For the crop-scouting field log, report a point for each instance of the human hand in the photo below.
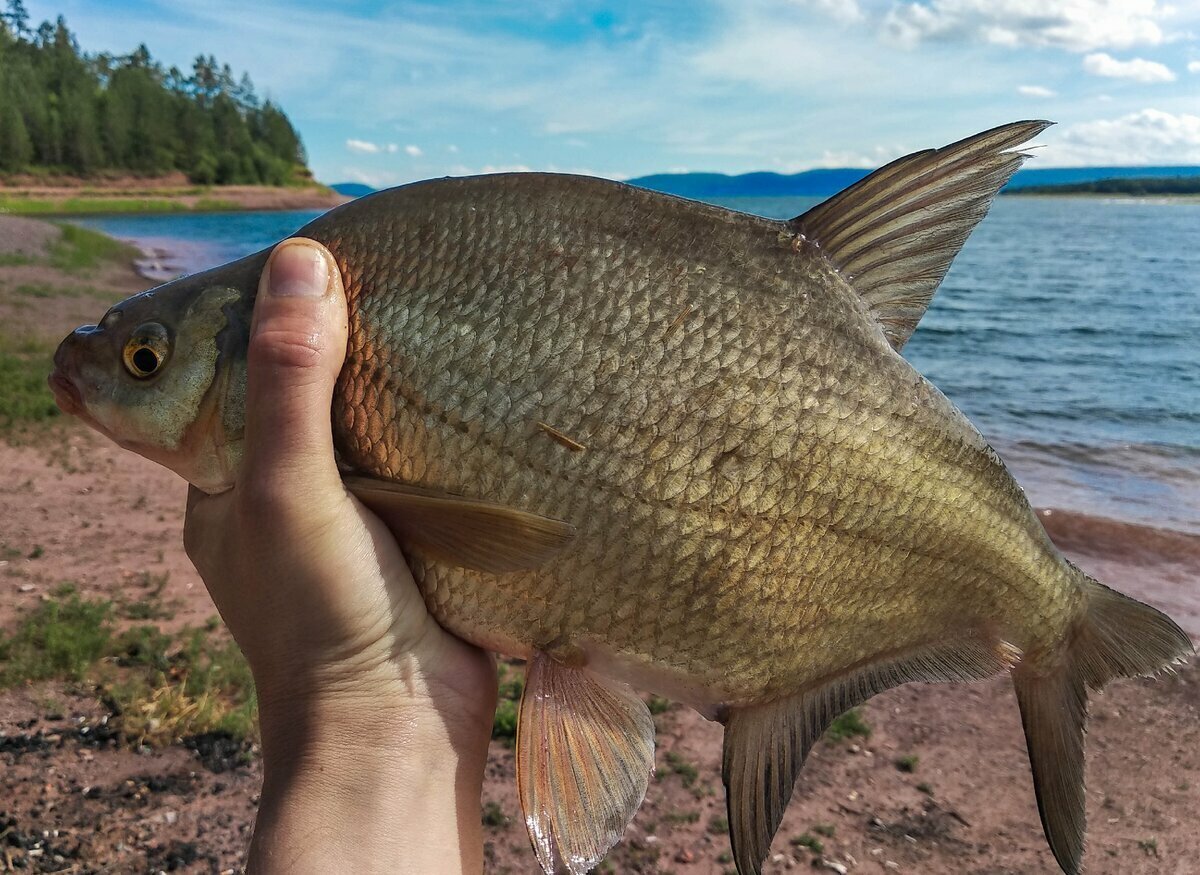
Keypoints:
(370, 712)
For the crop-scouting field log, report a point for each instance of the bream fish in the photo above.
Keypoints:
(645, 442)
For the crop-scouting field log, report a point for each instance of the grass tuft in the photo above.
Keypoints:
(907, 763)
(504, 723)
(848, 725)
(811, 842)
(677, 765)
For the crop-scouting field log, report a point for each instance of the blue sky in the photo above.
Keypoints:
(386, 93)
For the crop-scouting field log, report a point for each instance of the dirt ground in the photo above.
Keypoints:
(940, 786)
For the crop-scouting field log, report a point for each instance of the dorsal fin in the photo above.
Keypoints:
(894, 233)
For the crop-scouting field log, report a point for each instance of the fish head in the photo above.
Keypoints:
(164, 373)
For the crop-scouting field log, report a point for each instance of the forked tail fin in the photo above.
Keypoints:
(1117, 637)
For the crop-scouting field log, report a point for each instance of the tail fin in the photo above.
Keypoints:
(1117, 637)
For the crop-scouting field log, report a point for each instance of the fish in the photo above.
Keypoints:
(646, 443)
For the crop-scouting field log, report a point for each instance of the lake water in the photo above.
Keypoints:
(1068, 330)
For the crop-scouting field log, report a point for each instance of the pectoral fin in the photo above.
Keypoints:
(766, 745)
(585, 751)
(461, 531)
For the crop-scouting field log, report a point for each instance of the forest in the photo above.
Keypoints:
(1142, 186)
(66, 112)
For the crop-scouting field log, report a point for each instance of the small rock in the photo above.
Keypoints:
(891, 864)
(685, 856)
(835, 866)
(778, 858)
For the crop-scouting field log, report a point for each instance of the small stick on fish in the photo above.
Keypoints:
(569, 442)
(683, 314)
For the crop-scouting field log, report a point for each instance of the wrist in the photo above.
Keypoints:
(368, 779)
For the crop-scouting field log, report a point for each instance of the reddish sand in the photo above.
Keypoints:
(77, 801)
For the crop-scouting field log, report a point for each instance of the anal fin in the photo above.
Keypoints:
(465, 532)
(585, 752)
(766, 745)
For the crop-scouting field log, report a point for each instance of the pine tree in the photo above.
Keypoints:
(15, 148)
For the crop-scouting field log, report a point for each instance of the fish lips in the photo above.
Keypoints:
(66, 394)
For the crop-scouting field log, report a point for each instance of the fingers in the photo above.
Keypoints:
(297, 346)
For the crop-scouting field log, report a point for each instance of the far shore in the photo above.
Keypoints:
(1105, 195)
(72, 196)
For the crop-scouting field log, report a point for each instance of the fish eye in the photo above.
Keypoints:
(146, 350)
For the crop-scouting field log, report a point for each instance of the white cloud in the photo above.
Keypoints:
(1149, 136)
(1075, 25)
(412, 151)
(1194, 66)
(1034, 91)
(392, 148)
(842, 10)
(381, 179)
(1137, 69)
(362, 146)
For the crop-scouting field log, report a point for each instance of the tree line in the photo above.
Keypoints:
(66, 111)
(1148, 185)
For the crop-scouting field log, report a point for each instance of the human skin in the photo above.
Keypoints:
(375, 721)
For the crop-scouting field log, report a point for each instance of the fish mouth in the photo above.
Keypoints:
(66, 394)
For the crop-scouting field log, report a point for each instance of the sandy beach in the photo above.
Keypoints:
(935, 780)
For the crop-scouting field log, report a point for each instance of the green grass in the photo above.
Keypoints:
(15, 259)
(658, 705)
(848, 725)
(508, 702)
(215, 205)
(677, 765)
(718, 826)
(907, 763)
(80, 249)
(61, 638)
(24, 365)
(160, 688)
(811, 842)
(676, 818)
(494, 816)
(823, 829)
(86, 205)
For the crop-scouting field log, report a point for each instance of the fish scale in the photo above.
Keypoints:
(545, 475)
(639, 440)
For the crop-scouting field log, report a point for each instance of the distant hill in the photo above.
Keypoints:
(352, 189)
(1151, 185)
(829, 181)
(823, 183)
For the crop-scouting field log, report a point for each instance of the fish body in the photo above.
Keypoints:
(762, 486)
(640, 440)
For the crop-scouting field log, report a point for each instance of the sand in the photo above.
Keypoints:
(76, 800)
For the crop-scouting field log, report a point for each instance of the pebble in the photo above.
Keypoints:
(891, 864)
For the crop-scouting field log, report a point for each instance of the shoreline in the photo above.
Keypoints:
(1106, 195)
(99, 199)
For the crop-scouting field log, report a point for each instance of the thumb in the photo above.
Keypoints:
(297, 346)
